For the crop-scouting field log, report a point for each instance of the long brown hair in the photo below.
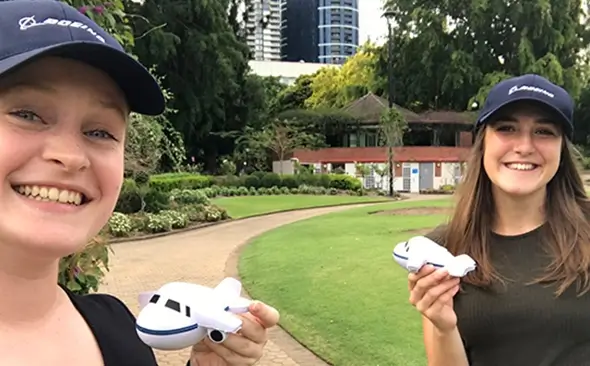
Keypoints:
(566, 231)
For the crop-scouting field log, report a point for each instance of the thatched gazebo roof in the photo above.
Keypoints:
(453, 117)
(369, 108)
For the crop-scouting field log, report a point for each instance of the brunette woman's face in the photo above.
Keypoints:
(522, 149)
(62, 131)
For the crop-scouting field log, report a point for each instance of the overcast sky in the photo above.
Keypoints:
(371, 23)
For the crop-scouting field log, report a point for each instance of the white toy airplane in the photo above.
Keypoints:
(419, 251)
(180, 315)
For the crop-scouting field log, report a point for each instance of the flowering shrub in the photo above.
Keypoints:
(177, 220)
(215, 213)
(119, 224)
(157, 223)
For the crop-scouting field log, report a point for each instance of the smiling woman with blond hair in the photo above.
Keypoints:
(522, 215)
(66, 91)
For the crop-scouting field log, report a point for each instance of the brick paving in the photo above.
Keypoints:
(204, 256)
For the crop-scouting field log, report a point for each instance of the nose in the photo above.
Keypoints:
(66, 150)
(524, 143)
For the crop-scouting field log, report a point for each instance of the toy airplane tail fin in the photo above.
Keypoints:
(229, 287)
(460, 265)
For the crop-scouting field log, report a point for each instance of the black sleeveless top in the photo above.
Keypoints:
(113, 326)
(518, 324)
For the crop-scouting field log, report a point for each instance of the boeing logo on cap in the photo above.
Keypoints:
(30, 22)
(534, 89)
(32, 29)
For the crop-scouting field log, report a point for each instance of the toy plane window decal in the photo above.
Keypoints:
(174, 305)
(155, 298)
(188, 311)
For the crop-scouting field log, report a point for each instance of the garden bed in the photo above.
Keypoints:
(145, 211)
(415, 211)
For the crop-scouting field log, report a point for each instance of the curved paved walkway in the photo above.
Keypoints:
(204, 256)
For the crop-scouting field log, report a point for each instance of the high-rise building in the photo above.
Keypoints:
(264, 30)
(324, 31)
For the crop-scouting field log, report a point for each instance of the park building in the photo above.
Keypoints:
(432, 156)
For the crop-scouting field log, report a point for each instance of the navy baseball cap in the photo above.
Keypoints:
(533, 88)
(30, 29)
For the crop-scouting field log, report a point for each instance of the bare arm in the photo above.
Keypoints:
(443, 349)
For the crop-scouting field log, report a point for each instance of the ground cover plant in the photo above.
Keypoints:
(334, 280)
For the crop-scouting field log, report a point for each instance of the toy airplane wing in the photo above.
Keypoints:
(218, 319)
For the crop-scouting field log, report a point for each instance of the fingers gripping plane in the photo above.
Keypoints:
(419, 251)
(180, 315)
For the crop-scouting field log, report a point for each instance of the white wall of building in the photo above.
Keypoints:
(288, 72)
(447, 176)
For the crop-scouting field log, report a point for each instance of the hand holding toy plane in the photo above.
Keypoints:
(180, 315)
(419, 251)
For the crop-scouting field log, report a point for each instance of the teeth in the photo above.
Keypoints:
(521, 166)
(50, 194)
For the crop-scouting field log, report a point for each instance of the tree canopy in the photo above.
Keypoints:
(448, 54)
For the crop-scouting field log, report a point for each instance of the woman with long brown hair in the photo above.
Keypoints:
(522, 214)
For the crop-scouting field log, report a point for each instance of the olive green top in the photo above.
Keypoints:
(522, 325)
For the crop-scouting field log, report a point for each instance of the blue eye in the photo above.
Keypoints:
(101, 134)
(26, 115)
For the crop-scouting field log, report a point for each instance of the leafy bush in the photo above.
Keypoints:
(345, 182)
(270, 180)
(167, 182)
(156, 200)
(130, 198)
(189, 196)
(252, 181)
(82, 272)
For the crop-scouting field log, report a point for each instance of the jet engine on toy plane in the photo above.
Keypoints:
(179, 314)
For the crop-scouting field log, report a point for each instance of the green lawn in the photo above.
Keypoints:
(244, 206)
(338, 289)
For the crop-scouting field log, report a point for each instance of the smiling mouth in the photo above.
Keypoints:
(521, 166)
(51, 194)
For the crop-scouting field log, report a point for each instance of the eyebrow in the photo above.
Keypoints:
(44, 88)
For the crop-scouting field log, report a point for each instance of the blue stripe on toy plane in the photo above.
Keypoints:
(168, 331)
(406, 258)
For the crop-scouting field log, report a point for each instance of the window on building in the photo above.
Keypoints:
(353, 140)
(371, 139)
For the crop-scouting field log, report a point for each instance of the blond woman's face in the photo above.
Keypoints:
(62, 132)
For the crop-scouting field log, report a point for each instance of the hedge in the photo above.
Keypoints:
(168, 182)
